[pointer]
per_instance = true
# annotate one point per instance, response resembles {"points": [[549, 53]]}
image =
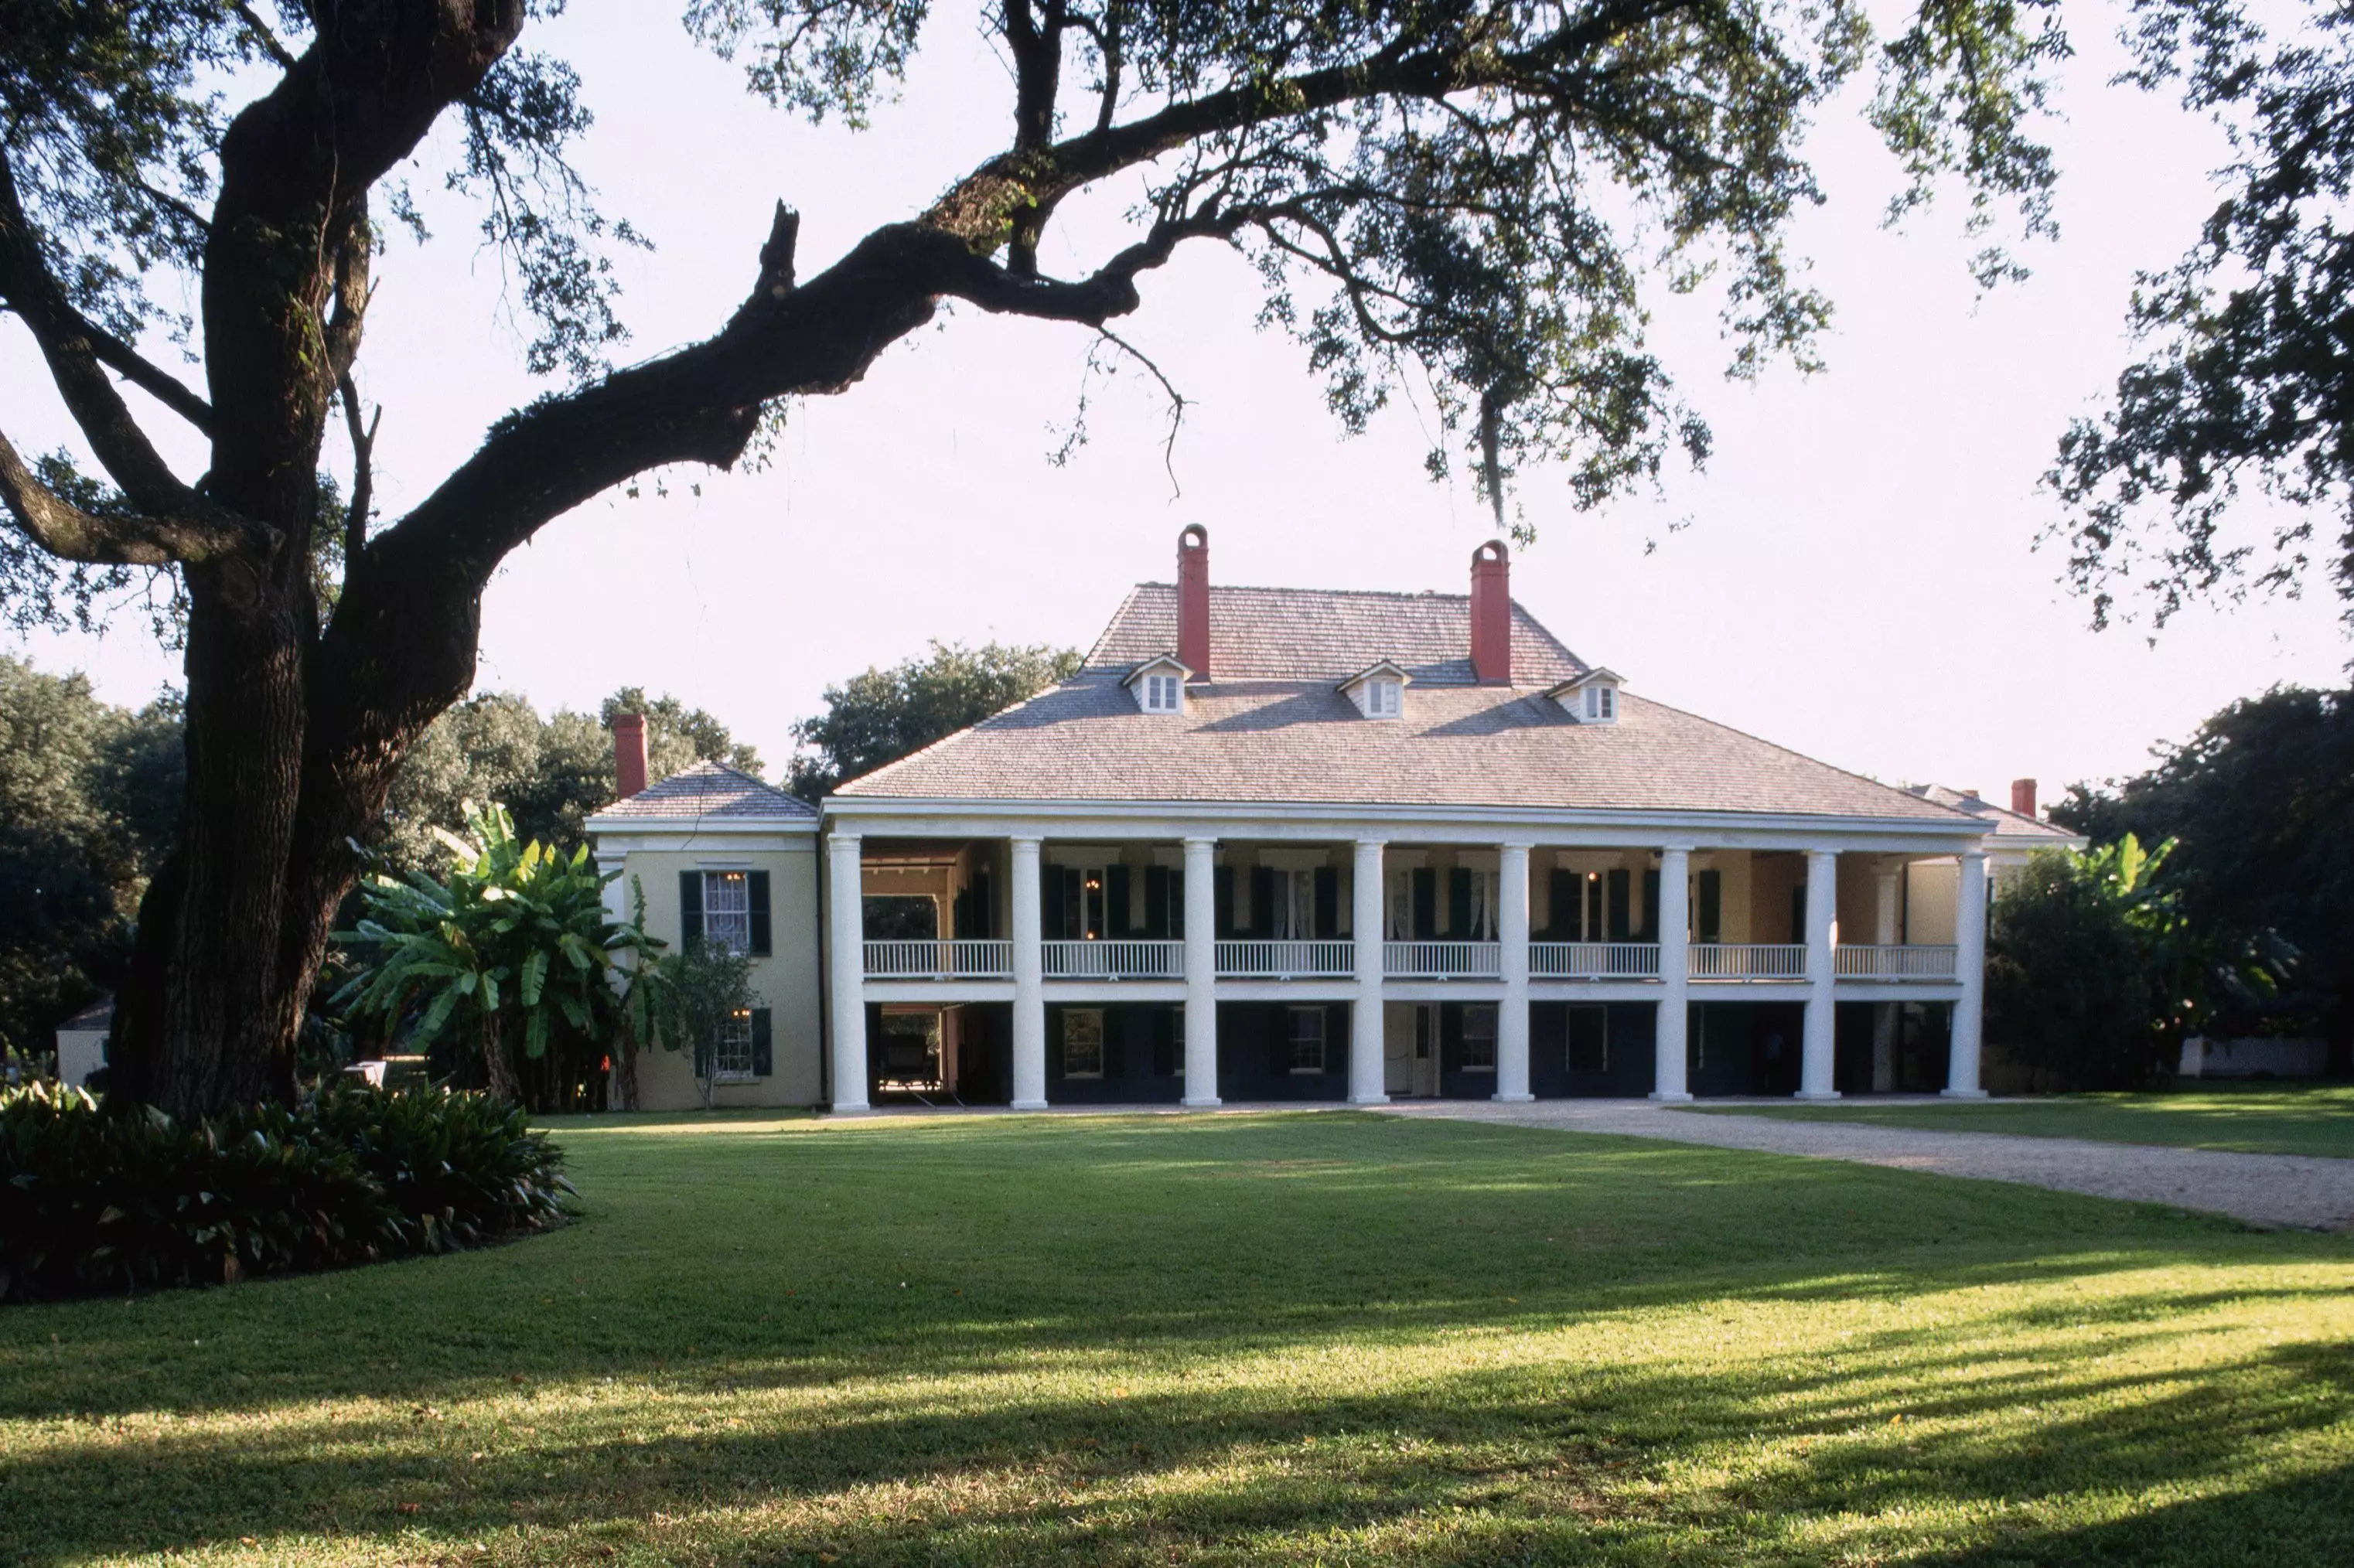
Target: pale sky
{"points": [[1856, 581]]}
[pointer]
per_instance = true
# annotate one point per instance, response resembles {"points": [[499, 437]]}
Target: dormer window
{"points": [[1379, 692], [1159, 686], [1590, 698]]}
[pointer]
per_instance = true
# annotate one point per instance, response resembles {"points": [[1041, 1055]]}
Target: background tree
{"points": [[2094, 974], [88, 793], [1481, 193], [551, 774], [2248, 377], [2260, 803], [885, 714]]}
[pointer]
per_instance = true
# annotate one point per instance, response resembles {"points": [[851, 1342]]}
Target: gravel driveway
{"points": [[2265, 1188]]}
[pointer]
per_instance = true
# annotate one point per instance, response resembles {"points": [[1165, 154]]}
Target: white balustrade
{"points": [[959, 960], [1594, 961], [1114, 960], [1748, 960], [1924, 961], [1286, 960], [1444, 960]]}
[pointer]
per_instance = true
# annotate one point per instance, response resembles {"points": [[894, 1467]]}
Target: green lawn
{"points": [[1324, 1339], [2257, 1119]]}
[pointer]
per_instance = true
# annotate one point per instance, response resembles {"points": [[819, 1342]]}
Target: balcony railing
{"points": [[1924, 962], [939, 960], [1594, 961], [1748, 961], [1286, 960], [1442, 961], [1113, 960]]}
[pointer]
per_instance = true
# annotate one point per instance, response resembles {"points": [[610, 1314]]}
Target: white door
{"points": [[1426, 1050], [1410, 1049]]}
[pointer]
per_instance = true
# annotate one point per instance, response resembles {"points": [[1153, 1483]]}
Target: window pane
{"points": [[1307, 1038], [1083, 1042], [1479, 1037], [727, 910]]}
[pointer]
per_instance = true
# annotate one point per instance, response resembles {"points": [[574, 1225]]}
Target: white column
{"points": [[1815, 1071], [1029, 983], [1969, 966], [1366, 1027], [846, 970], [1201, 973], [1884, 1014], [1512, 1018], [1669, 1043]]}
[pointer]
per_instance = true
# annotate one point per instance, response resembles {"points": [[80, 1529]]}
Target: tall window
{"points": [[1083, 1042], [1485, 927], [1295, 905], [733, 1060], [1307, 1038], [727, 914], [1400, 907], [1479, 1037]]}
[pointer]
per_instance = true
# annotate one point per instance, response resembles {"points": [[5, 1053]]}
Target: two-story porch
{"points": [[1044, 961]]}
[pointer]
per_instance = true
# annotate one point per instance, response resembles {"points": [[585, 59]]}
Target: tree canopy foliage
{"points": [[89, 796], [2260, 803], [2247, 380], [884, 715], [550, 774], [1482, 195], [2095, 974]]}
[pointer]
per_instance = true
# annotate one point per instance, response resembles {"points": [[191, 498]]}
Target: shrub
{"points": [[103, 1198]]}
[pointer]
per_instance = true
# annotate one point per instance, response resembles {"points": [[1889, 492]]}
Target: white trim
{"points": [[1554, 827]]}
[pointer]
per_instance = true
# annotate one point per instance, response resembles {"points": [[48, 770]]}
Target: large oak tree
{"points": [[1479, 192]]}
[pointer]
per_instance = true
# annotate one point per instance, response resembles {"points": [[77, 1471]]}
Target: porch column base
{"points": [[1369, 1099], [848, 1107], [1514, 1099], [1678, 1098], [1815, 1094], [1963, 1095], [1029, 1105], [1212, 1103]]}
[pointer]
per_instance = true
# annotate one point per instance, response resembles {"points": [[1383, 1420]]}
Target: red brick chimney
{"points": [[1193, 599], [2023, 797], [1491, 614], [630, 753]]}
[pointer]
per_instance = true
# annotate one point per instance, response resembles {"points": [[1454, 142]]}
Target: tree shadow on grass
{"points": [[1598, 1463]]}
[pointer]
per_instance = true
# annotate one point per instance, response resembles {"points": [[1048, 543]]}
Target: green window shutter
{"points": [[1650, 906], [1222, 896], [1328, 902], [1563, 924], [1050, 902], [1799, 913], [758, 890], [1621, 896], [1158, 926], [1116, 901], [763, 1058], [1262, 900], [690, 909], [1458, 904], [1712, 905], [1426, 905]]}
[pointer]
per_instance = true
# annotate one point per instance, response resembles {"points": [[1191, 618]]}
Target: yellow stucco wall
{"points": [[786, 980]]}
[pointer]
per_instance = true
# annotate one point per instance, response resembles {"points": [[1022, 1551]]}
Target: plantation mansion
{"points": [[1290, 844]]}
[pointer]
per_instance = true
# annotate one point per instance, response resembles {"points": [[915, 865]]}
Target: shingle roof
{"points": [[710, 790], [1315, 635], [1300, 741], [2007, 824]]}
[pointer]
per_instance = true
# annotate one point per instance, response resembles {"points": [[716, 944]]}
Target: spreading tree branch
{"points": [[363, 438], [126, 539]]}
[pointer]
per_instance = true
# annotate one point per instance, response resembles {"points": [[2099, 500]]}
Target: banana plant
{"points": [[514, 948]]}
